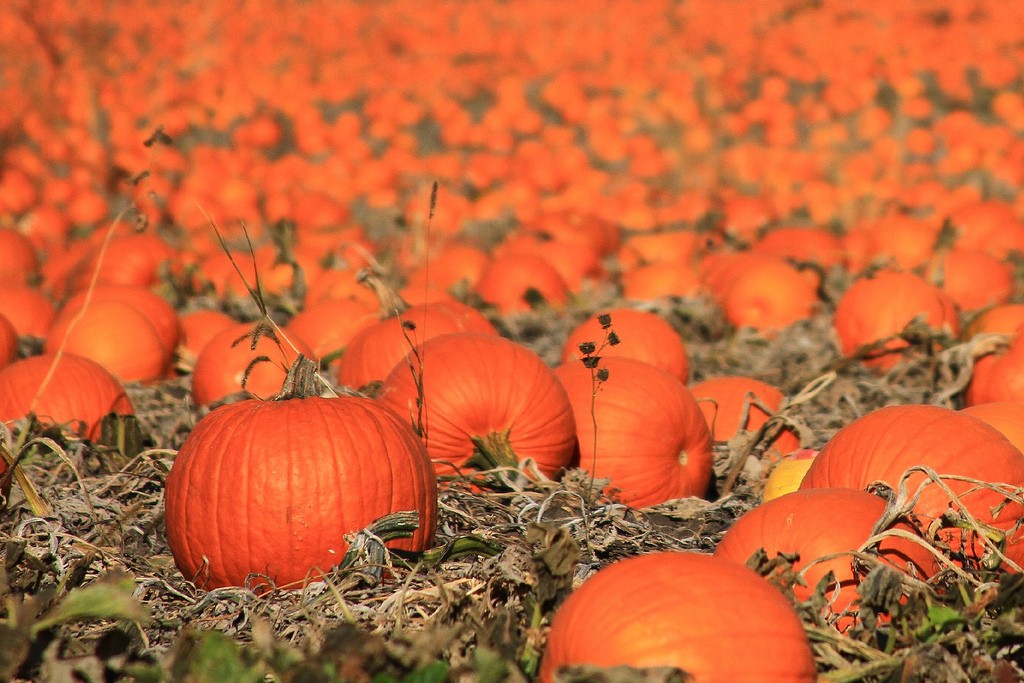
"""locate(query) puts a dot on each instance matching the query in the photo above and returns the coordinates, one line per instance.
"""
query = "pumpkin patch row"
(522, 252)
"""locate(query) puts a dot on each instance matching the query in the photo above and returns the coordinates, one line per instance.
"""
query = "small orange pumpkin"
(643, 335)
(815, 523)
(725, 400)
(874, 308)
(221, 365)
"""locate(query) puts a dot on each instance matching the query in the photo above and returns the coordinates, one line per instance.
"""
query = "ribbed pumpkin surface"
(272, 487)
(883, 444)
(715, 619)
(814, 523)
(375, 349)
(79, 391)
(475, 385)
(652, 440)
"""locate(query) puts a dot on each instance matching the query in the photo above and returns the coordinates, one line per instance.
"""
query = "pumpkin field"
(408, 342)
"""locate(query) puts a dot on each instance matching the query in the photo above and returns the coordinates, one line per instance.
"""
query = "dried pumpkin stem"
(301, 380)
(493, 451)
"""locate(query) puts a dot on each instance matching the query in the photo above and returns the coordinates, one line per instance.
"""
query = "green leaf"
(109, 597)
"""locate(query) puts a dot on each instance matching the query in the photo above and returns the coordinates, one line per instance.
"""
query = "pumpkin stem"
(301, 380)
(493, 451)
(391, 303)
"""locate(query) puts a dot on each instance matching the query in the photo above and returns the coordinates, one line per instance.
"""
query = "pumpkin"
(644, 336)
(651, 281)
(1000, 319)
(486, 395)
(651, 441)
(802, 244)
(154, 307)
(516, 283)
(28, 309)
(974, 279)
(134, 259)
(883, 444)
(70, 389)
(227, 360)
(1006, 416)
(679, 609)
(875, 308)
(18, 258)
(330, 323)
(999, 376)
(197, 328)
(731, 406)
(374, 350)
(769, 295)
(116, 335)
(814, 523)
(273, 487)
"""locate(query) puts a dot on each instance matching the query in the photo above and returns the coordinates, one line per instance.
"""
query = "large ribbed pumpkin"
(484, 394)
(713, 618)
(883, 444)
(652, 441)
(815, 523)
(272, 487)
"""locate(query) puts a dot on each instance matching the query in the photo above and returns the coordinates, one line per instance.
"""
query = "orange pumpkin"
(197, 328)
(18, 258)
(69, 390)
(651, 439)
(1000, 319)
(154, 307)
(329, 324)
(28, 309)
(878, 307)
(999, 376)
(272, 488)
(101, 332)
(221, 365)
(8, 342)
(1006, 416)
(660, 610)
(643, 335)
(883, 444)
(516, 283)
(726, 400)
(484, 394)
(814, 523)
(374, 350)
